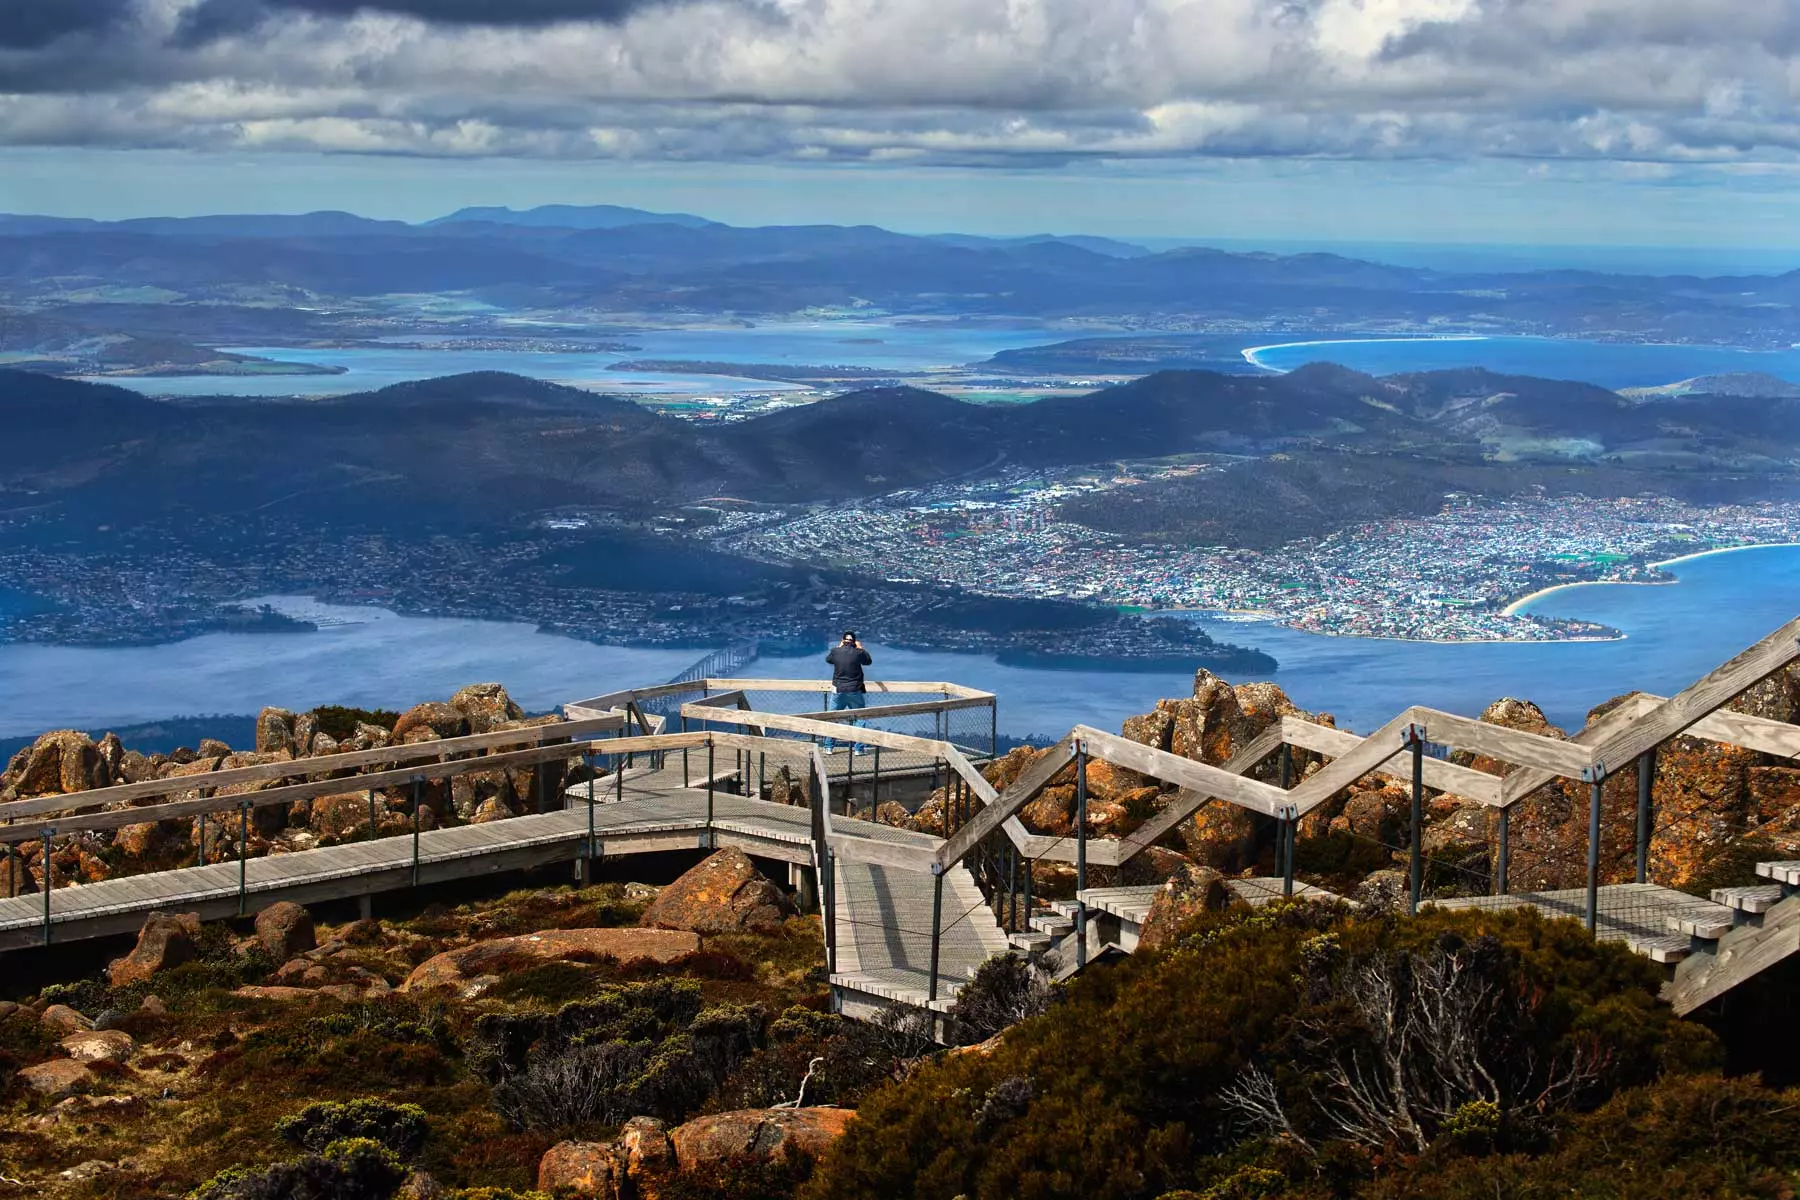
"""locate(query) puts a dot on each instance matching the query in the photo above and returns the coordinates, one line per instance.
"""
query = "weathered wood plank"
(1752, 733)
(1030, 782)
(1247, 793)
(1520, 783)
(1742, 954)
(1440, 775)
(319, 765)
(1711, 691)
(1190, 800)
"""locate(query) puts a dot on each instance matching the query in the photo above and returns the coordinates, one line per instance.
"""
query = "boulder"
(60, 761)
(372, 737)
(493, 808)
(60, 1018)
(214, 748)
(1384, 891)
(58, 1077)
(757, 1135)
(433, 717)
(457, 968)
(166, 940)
(586, 1169)
(285, 929)
(100, 1045)
(645, 1146)
(724, 894)
(342, 816)
(889, 812)
(111, 752)
(1190, 891)
(274, 730)
(306, 734)
(487, 706)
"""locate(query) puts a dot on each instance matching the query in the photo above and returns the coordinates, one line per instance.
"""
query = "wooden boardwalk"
(883, 913)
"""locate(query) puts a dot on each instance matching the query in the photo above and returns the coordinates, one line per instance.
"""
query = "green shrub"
(401, 1128)
(351, 1169)
(1130, 1077)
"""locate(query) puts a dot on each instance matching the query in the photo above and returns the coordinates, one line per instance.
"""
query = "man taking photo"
(847, 659)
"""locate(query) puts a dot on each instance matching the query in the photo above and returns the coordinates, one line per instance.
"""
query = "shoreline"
(1513, 608)
(1250, 353)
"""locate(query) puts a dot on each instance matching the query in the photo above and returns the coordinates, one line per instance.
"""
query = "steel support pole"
(709, 791)
(243, 852)
(829, 891)
(993, 729)
(202, 855)
(1417, 875)
(591, 777)
(371, 792)
(1646, 781)
(937, 916)
(49, 880)
(684, 753)
(1505, 856)
(1080, 853)
(875, 784)
(1290, 828)
(1026, 903)
(1593, 874)
(418, 798)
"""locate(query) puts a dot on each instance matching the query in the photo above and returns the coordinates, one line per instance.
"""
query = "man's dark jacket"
(847, 662)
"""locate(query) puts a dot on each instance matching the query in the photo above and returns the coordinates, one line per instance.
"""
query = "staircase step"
(1030, 943)
(1056, 927)
(1668, 948)
(1757, 899)
(1787, 872)
(1709, 925)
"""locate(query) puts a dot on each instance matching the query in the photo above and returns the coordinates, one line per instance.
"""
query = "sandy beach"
(1250, 355)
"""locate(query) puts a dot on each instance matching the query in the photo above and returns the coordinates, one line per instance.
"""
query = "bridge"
(907, 915)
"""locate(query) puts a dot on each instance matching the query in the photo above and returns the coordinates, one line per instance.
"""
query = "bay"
(891, 346)
(1610, 365)
(1675, 633)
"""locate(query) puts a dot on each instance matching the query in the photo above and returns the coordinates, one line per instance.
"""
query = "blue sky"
(1574, 122)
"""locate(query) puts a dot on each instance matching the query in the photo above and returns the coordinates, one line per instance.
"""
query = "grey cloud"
(34, 24)
(213, 19)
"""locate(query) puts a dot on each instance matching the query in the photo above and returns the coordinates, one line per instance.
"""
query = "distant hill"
(570, 216)
(1736, 383)
(1094, 245)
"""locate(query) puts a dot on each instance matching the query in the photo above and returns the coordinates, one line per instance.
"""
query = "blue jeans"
(847, 700)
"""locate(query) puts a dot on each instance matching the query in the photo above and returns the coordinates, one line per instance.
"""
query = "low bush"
(401, 1128)
(351, 1169)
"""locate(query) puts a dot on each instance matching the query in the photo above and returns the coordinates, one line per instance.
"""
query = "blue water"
(885, 346)
(1610, 366)
(1676, 632)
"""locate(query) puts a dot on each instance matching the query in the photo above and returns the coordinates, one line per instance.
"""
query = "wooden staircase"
(1764, 930)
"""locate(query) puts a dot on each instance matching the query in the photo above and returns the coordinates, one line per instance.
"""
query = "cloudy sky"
(1649, 121)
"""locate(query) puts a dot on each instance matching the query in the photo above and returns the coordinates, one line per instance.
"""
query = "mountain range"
(490, 450)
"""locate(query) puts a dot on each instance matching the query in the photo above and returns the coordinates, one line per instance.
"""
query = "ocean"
(365, 656)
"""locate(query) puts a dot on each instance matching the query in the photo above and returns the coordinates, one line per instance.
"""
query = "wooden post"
(1287, 766)
(1505, 854)
(1080, 853)
(1417, 880)
(1646, 780)
(243, 852)
(1593, 874)
(937, 916)
(946, 804)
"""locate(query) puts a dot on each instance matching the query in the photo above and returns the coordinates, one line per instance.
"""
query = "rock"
(455, 968)
(587, 1169)
(275, 730)
(645, 1146)
(152, 1005)
(889, 812)
(420, 1185)
(58, 1077)
(492, 809)
(724, 894)
(1384, 891)
(214, 748)
(60, 761)
(487, 706)
(322, 744)
(164, 941)
(1222, 836)
(342, 816)
(274, 992)
(135, 768)
(1153, 864)
(111, 753)
(60, 1018)
(372, 737)
(285, 929)
(100, 1045)
(1191, 891)
(760, 1135)
(306, 735)
(433, 717)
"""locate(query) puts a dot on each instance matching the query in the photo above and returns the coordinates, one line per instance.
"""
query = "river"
(370, 657)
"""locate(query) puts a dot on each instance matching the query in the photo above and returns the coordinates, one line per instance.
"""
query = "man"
(847, 659)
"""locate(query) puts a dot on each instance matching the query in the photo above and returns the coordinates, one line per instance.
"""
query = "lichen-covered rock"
(64, 760)
(724, 894)
(274, 730)
(58, 1077)
(756, 1135)
(285, 929)
(60, 1018)
(487, 706)
(433, 717)
(344, 815)
(648, 1153)
(456, 968)
(306, 732)
(1384, 891)
(1191, 891)
(99, 1045)
(585, 1169)
(166, 940)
